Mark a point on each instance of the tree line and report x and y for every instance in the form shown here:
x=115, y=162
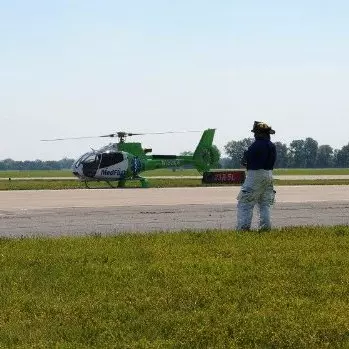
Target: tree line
x=300, y=153
x=27, y=165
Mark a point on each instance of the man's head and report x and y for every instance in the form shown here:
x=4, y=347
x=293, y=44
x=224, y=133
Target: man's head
x=261, y=128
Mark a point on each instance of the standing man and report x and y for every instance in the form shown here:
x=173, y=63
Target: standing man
x=259, y=160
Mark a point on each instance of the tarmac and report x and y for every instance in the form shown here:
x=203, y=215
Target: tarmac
x=135, y=210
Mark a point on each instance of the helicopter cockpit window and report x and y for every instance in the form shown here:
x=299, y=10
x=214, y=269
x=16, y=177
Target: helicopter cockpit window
x=91, y=158
x=109, y=159
x=78, y=161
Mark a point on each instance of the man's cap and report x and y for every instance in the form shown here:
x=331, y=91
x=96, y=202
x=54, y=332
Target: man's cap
x=262, y=127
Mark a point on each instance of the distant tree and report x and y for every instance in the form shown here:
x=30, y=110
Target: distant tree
x=235, y=150
x=27, y=165
x=226, y=163
x=324, y=157
x=310, y=152
x=342, y=159
x=66, y=163
x=9, y=164
x=281, y=155
x=335, y=158
x=297, y=154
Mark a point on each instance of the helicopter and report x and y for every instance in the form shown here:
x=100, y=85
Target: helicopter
x=124, y=161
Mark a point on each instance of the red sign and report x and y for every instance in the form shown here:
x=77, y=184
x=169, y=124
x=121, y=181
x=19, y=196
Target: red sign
x=224, y=177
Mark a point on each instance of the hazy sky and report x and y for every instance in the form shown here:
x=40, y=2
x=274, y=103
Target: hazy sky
x=92, y=67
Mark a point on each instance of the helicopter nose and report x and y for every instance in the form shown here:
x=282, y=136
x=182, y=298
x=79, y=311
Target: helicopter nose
x=77, y=170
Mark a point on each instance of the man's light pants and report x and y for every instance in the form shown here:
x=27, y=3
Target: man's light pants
x=257, y=189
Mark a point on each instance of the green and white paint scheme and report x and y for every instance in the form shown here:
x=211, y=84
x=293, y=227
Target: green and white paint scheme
x=126, y=161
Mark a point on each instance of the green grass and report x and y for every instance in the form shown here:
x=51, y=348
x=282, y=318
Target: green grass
x=311, y=171
x=216, y=289
x=38, y=173
x=75, y=184
x=170, y=172
x=312, y=182
x=38, y=184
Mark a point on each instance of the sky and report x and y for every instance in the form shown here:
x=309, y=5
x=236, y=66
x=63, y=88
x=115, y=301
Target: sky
x=93, y=67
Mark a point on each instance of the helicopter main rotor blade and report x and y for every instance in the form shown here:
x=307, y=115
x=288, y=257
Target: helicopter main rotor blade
x=111, y=135
x=159, y=133
x=116, y=134
x=128, y=134
x=63, y=139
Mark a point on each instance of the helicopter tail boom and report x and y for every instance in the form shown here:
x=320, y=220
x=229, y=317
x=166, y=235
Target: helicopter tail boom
x=203, y=158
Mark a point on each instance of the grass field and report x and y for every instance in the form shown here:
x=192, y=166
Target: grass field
x=39, y=173
x=313, y=171
x=34, y=182
x=169, y=172
x=153, y=183
x=217, y=289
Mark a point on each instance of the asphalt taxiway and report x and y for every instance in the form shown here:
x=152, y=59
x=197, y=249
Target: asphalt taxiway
x=114, y=211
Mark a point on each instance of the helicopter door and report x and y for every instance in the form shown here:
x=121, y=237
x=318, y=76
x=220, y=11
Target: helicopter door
x=113, y=166
x=110, y=159
x=90, y=165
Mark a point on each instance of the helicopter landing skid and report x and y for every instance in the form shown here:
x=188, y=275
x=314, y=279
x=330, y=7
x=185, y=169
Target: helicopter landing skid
x=144, y=183
x=111, y=185
x=121, y=183
x=86, y=185
x=98, y=187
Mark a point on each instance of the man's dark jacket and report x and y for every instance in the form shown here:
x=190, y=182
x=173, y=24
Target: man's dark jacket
x=261, y=154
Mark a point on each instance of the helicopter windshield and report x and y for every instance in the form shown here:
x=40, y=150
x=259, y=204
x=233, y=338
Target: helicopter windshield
x=87, y=158
x=91, y=158
x=80, y=159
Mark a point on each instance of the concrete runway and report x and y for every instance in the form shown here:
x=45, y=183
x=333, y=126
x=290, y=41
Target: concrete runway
x=112, y=211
